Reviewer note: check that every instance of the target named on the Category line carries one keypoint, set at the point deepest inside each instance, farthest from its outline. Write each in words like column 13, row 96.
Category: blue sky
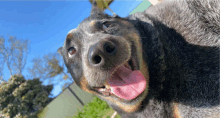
column 46, row 23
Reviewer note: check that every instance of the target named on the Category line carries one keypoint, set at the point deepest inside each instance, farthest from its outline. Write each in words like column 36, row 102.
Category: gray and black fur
column 180, row 44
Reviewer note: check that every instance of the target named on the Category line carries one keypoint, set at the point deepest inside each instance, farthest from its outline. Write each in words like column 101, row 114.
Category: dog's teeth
column 102, row 89
column 106, row 84
column 107, row 87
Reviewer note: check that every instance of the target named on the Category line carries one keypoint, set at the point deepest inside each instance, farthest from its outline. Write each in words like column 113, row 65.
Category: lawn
column 95, row 109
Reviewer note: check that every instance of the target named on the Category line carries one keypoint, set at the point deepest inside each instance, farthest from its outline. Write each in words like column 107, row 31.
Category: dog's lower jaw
column 135, row 104
column 126, row 107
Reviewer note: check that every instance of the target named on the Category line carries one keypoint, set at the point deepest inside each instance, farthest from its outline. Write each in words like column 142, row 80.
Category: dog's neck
column 152, row 108
column 175, row 66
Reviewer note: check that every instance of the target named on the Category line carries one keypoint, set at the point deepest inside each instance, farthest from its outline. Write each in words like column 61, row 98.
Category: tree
column 14, row 54
column 2, row 58
column 49, row 67
column 23, row 98
column 102, row 4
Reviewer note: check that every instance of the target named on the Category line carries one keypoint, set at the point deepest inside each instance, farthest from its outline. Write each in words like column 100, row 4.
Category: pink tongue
column 127, row 84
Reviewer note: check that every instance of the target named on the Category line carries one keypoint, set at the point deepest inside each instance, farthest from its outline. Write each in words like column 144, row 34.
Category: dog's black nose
column 101, row 51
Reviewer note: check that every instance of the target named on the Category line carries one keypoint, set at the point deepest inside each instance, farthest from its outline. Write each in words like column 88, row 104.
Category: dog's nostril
column 101, row 51
column 97, row 59
column 109, row 48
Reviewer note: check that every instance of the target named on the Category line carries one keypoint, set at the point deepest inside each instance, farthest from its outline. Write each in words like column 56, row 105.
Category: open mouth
column 130, row 64
column 126, row 82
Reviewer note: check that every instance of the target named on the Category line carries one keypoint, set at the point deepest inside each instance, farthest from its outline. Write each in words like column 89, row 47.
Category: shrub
column 23, row 98
column 94, row 109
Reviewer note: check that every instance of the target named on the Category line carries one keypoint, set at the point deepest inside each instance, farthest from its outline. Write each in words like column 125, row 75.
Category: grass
column 95, row 109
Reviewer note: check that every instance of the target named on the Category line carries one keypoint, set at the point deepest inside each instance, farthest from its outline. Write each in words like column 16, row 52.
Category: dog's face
column 104, row 57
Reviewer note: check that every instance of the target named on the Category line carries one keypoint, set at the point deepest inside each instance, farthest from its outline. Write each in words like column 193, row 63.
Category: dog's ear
column 95, row 9
column 59, row 50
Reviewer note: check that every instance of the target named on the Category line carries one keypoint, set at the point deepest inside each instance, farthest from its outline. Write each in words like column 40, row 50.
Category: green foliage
column 95, row 109
column 23, row 98
column 102, row 4
column 92, row 109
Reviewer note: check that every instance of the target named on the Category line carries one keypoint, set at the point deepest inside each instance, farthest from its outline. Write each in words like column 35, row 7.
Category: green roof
column 141, row 7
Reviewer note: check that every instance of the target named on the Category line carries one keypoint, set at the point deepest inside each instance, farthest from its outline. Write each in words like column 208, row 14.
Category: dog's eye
column 106, row 25
column 71, row 51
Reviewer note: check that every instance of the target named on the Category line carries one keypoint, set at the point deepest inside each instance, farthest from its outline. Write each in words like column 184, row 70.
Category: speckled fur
column 188, row 34
column 181, row 47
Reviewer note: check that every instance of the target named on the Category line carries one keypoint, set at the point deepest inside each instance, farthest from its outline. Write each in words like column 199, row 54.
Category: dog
column 160, row 63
